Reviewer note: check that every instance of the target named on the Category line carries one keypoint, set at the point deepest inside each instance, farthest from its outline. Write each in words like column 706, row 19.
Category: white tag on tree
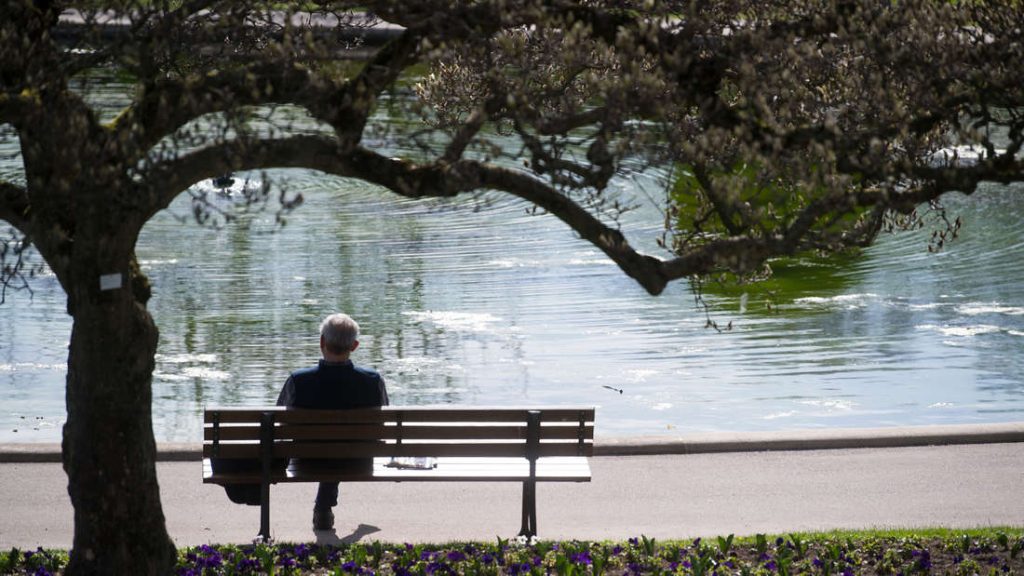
column 110, row 282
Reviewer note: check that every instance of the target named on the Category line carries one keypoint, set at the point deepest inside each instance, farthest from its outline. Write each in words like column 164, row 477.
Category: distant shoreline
column 358, row 40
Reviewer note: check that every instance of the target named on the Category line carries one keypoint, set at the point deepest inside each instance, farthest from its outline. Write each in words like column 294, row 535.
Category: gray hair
column 339, row 332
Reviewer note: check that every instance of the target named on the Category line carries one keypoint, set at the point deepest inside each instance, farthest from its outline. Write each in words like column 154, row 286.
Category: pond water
column 479, row 302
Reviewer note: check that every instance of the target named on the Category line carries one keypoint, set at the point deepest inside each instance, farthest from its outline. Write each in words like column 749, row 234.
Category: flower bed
column 988, row 552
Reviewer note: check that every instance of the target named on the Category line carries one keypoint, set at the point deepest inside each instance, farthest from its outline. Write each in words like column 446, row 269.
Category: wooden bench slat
column 406, row 432
column 425, row 432
column 565, row 469
column 368, row 450
column 250, row 451
column 481, row 449
column 407, row 414
column 231, row 433
column 568, row 468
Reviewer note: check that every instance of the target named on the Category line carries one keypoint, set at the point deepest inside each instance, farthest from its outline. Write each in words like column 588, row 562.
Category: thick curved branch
column 169, row 104
column 404, row 178
column 743, row 253
column 168, row 179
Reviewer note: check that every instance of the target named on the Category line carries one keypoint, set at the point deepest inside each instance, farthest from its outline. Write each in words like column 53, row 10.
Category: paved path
column 665, row 496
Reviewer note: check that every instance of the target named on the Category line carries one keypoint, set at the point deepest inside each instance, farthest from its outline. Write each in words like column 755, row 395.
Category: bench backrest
column 390, row 431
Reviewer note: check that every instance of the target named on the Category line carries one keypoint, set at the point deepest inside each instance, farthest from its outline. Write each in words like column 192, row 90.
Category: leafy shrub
column 825, row 554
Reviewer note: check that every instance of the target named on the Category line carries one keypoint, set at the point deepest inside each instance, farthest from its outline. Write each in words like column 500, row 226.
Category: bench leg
column 265, row 512
column 266, row 453
column 529, row 528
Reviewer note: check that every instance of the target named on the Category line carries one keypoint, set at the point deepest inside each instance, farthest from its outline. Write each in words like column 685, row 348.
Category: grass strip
column 985, row 551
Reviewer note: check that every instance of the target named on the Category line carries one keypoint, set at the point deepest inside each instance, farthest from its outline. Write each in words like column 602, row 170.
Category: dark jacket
column 334, row 386
column 328, row 386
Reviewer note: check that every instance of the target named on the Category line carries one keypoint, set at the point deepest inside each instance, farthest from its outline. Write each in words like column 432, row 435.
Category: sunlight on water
column 463, row 321
column 964, row 331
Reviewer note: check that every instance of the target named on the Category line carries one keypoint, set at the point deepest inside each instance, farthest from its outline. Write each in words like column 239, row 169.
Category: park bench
column 528, row 445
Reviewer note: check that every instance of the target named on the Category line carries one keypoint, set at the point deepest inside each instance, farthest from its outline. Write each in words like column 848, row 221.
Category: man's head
column 339, row 336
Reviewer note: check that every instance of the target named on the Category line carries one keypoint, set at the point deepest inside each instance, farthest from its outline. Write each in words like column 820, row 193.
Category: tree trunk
column 109, row 450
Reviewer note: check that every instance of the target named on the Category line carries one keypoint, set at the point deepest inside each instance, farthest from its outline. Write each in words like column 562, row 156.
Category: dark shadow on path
column 330, row 537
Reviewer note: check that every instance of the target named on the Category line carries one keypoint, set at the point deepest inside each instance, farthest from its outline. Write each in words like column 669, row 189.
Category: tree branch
column 359, row 96
column 169, row 104
column 594, row 174
column 404, row 178
column 14, row 208
column 743, row 253
column 566, row 124
column 725, row 209
column 464, row 135
column 168, row 179
column 646, row 270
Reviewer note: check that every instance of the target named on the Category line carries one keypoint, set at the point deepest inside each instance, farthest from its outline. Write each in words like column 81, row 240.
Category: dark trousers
column 327, row 495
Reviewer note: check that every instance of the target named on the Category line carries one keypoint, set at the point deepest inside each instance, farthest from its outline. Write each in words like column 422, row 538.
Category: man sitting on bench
column 334, row 383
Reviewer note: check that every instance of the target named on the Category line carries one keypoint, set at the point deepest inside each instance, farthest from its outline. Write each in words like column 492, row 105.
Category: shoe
column 323, row 519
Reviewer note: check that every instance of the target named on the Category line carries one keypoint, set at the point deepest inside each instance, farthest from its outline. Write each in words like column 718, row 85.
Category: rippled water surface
column 482, row 303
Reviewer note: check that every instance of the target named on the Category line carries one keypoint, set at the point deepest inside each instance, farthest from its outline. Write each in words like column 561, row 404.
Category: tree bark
column 109, row 450
column 84, row 216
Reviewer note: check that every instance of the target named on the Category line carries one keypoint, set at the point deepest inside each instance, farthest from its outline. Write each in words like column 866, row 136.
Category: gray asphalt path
column 664, row 496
